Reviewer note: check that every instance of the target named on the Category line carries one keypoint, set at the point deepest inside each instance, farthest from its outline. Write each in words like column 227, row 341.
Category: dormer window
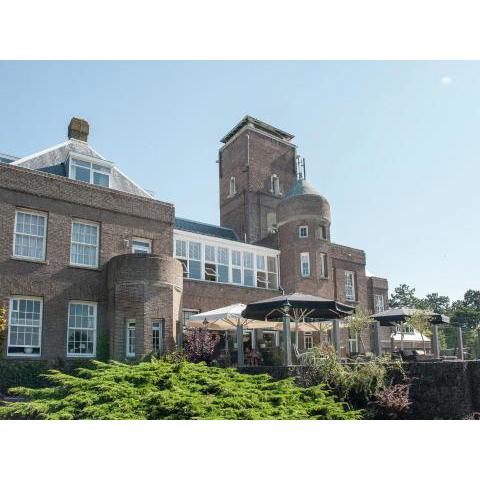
column 275, row 185
column 232, row 189
column 90, row 172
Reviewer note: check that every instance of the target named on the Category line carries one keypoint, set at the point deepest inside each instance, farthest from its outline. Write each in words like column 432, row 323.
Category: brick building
column 91, row 263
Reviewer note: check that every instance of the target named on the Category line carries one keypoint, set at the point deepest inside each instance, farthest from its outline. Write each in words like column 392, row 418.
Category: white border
column 85, row 222
column 83, row 355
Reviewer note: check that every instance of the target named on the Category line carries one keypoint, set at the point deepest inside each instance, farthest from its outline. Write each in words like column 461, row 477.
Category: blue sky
column 394, row 146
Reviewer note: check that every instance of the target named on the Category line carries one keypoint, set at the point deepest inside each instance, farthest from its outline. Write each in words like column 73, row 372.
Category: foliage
column 420, row 321
column 353, row 383
column 403, row 296
column 391, row 403
column 200, row 344
column 359, row 323
column 3, row 325
column 103, row 350
column 161, row 389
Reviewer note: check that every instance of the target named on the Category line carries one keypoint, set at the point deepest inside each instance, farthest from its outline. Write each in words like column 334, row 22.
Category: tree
column 403, row 296
column 435, row 302
column 420, row 321
column 359, row 323
column 3, row 324
column 472, row 299
column 200, row 344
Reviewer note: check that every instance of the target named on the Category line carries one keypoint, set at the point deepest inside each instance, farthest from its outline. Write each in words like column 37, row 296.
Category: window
column 82, row 329
column 236, row 267
column 303, row 231
column 194, row 259
column 305, row 264
column 275, row 185
column 187, row 313
column 307, row 340
column 349, row 285
column 352, row 342
column 89, row 172
column 223, row 262
column 261, row 272
column 271, row 339
column 141, row 245
column 158, row 333
column 322, row 260
column 272, row 273
column 30, row 235
column 248, row 269
column 323, row 232
column 379, row 303
column 130, row 338
column 84, row 247
column 407, row 329
column 210, row 264
column 24, row 326
column 232, row 190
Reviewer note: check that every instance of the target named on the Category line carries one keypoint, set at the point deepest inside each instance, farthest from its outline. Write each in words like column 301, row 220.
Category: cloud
column 446, row 80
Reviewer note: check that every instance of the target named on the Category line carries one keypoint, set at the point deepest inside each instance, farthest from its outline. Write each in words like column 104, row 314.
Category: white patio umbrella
column 228, row 318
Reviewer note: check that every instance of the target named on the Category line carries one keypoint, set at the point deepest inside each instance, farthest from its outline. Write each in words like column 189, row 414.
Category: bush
column 32, row 374
column 172, row 390
column 391, row 403
column 353, row 383
column 200, row 344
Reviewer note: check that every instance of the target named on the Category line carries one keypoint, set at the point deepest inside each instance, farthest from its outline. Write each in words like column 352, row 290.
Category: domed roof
column 302, row 187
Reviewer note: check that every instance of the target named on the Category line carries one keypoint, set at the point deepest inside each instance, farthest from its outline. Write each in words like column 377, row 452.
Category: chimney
column 78, row 129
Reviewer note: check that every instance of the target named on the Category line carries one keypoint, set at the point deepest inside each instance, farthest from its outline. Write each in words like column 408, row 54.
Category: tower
column 256, row 168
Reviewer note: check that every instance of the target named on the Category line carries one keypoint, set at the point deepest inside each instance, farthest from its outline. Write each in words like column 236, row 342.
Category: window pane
column 272, row 264
column 82, row 174
column 180, row 248
column 222, row 254
column 260, row 262
column 194, row 250
column 248, row 278
column 248, row 260
column 30, row 233
column 236, row 258
column 209, row 253
column 223, row 273
column 236, row 275
column 101, row 179
column 24, row 326
column 194, row 269
column 82, row 324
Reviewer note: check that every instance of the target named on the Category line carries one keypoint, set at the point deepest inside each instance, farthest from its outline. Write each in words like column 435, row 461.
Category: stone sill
column 30, row 260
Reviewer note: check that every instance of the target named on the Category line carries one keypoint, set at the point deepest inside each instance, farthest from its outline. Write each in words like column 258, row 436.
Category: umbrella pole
column 435, row 342
column 240, row 362
column 287, row 339
column 226, row 340
column 336, row 336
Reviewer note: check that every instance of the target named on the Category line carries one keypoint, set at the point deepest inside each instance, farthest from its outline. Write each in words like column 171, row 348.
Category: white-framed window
column 352, row 342
column 349, row 285
column 305, row 264
column 158, row 333
column 307, row 340
column 303, row 231
column 236, row 267
column 407, row 329
column 30, row 235
column 84, row 243
column 323, row 232
column 130, row 338
column 141, row 245
column 90, row 172
column 379, row 303
column 262, row 277
column 272, row 272
column 187, row 313
column 232, row 189
column 322, row 264
column 210, row 270
column 271, row 339
column 275, row 184
column 248, row 272
column 25, row 326
column 82, row 329
column 223, row 261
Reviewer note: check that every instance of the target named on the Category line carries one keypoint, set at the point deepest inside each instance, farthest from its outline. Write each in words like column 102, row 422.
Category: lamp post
column 287, row 339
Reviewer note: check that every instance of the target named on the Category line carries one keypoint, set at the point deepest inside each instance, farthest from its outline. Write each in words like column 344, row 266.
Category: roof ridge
column 41, row 152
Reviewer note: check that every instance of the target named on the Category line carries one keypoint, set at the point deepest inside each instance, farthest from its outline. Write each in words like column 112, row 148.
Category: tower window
column 323, row 232
column 303, row 231
column 275, row 185
column 349, row 285
column 323, row 265
column 233, row 188
column 305, row 264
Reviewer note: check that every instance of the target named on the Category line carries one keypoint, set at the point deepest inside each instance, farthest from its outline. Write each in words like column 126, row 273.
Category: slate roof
column 205, row 229
column 4, row 158
column 53, row 160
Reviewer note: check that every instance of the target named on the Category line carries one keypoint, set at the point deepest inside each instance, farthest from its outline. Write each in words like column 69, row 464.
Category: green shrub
column 355, row 383
column 161, row 389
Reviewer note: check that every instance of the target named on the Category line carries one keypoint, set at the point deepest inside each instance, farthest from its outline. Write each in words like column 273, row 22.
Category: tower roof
column 254, row 122
column 302, row 187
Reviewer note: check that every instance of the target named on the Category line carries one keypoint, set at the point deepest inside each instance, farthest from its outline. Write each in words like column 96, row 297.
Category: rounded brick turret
column 144, row 295
column 303, row 222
